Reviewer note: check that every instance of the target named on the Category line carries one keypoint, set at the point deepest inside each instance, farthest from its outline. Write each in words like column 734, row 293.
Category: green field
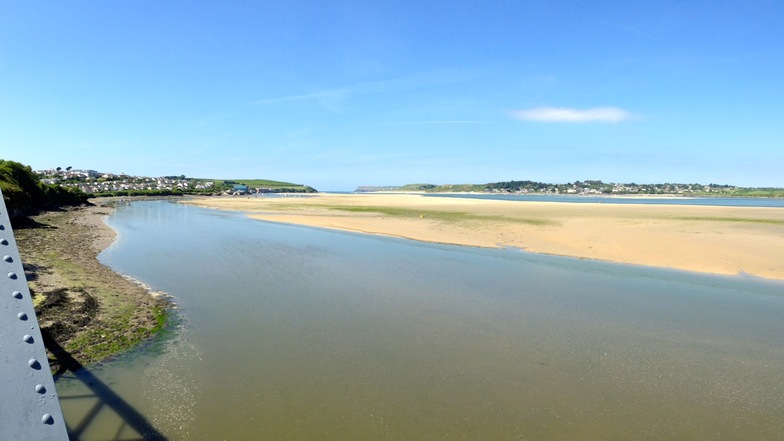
column 263, row 183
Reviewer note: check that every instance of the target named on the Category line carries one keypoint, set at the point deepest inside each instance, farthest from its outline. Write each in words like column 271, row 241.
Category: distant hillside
column 430, row 188
column 100, row 184
column 594, row 187
column 417, row 187
column 373, row 188
column 25, row 194
column 265, row 184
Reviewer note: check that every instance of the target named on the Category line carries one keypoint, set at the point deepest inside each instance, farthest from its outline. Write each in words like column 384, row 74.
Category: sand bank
column 720, row 240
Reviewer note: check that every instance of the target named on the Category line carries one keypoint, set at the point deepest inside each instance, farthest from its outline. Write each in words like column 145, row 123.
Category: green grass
column 416, row 187
column 748, row 193
column 262, row 183
column 449, row 188
column 266, row 183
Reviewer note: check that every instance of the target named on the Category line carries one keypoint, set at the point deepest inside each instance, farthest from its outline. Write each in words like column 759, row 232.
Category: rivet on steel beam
column 47, row 419
column 3, row 242
column 28, row 338
column 22, row 316
column 17, row 294
column 8, row 259
column 40, row 388
column 33, row 363
column 12, row 275
column 2, row 227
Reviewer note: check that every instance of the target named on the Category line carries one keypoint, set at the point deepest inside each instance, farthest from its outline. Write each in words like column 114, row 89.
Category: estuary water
column 297, row 333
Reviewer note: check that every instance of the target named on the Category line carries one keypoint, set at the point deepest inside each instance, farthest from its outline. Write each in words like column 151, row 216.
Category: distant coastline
column 585, row 188
column 736, row 201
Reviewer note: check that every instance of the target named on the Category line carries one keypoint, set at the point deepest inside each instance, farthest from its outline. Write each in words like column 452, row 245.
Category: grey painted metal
column 29, row 407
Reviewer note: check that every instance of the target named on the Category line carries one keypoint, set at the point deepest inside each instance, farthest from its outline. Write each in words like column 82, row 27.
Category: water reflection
column 90, row 415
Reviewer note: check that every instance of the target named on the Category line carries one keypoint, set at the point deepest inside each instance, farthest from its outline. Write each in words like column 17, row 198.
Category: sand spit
column 720, row 240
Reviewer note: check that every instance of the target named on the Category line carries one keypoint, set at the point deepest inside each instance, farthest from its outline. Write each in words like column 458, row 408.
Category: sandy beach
column 719, row 240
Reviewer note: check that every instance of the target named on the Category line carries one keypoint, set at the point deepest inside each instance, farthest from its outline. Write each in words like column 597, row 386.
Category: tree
column 24, row 193
column 21, row 188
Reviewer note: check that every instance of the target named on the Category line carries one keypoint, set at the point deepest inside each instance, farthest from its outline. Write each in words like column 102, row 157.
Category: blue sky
column 337, row 94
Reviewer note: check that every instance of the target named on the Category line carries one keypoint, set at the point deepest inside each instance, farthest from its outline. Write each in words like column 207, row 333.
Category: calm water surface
column 294, row 333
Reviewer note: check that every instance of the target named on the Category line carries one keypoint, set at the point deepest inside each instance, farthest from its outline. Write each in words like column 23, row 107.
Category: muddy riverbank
column 91, row 311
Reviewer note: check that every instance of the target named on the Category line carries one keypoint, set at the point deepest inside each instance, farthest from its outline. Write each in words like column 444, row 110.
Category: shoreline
column 707, row 239
column 90, row 310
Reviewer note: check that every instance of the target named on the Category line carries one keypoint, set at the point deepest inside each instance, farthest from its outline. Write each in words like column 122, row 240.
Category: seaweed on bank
column 88, row 309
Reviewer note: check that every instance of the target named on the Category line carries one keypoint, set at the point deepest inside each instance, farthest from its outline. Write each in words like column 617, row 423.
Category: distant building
column 87, row 173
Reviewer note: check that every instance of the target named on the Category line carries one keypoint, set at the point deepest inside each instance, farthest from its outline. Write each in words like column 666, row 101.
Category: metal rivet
column 17, row 294
column 47, row 419
column 8, row 259
column 40, row 388
column 28, row 338
column 2, row 227
column 3, row 242
column 22, row 316
column 12, row 275
column 33, row 363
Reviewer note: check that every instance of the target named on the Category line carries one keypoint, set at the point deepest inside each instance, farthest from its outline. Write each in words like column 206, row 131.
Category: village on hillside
column 96, row 183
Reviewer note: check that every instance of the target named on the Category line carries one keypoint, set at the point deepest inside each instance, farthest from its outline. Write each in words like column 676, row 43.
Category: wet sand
column 719, row 240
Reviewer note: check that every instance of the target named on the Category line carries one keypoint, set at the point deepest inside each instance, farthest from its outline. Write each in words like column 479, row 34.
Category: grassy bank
column 91, row 311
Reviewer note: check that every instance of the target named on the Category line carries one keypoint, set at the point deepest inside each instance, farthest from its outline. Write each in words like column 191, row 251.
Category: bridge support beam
column 29, row 407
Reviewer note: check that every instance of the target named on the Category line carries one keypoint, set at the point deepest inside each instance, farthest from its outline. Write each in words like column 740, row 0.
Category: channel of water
column 296, row 333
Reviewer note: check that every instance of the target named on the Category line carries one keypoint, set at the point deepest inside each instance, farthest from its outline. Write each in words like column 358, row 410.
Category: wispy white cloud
column 427, row 122
column 416, row 123
column 565, row 114
column 333, row 93
column 408, row 82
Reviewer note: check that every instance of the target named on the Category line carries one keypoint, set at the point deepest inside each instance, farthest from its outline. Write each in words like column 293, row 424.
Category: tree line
column 24, row 193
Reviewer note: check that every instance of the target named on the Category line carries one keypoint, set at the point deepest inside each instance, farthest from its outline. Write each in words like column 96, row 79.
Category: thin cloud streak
column 388, row 85
column 303, row 97
column 428, row 122
column 414, row 123
column 564, row 114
